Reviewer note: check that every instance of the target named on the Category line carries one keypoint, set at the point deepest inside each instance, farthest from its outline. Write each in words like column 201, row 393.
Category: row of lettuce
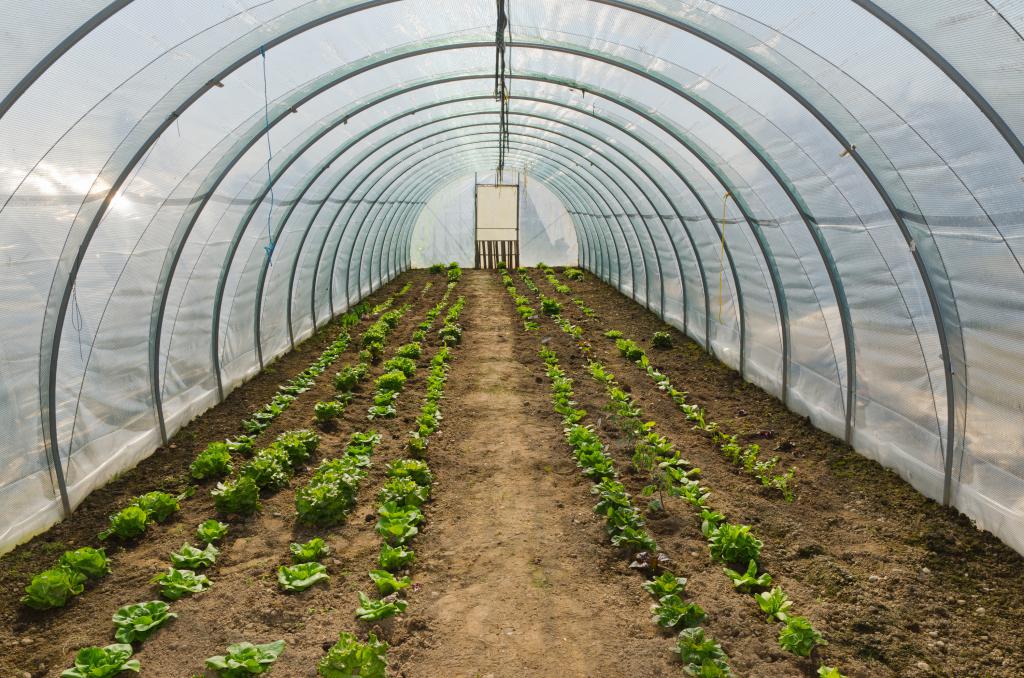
column 664, row 473
column 268, row 470
column 400, row 513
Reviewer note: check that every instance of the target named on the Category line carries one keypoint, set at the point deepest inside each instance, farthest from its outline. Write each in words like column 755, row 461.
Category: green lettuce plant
column 665, row 584
column 87, row 561
column 53, row 588
column 246, row 659
column 415, row 469
column 799, row 637
column 239, row 497
column 302, row 576
column 211, row 531
column 327, row 411
column 748, row 581
column 387, row 583
column 102, row 662
column 701, row 656
column 734, row 544
column 135, row 623
column 128, row 523
column 671, row 611
column 774, row 603
column 349, row 658
column 188, row 557
column 394, row 558
column 213, row 462
column 312, row 551
column 374, row 610
column 175, row 583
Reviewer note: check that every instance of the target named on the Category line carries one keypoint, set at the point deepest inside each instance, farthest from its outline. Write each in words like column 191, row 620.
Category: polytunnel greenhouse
column 512, row 337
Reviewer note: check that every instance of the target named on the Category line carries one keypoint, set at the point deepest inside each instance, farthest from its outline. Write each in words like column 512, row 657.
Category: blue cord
column 269, row 248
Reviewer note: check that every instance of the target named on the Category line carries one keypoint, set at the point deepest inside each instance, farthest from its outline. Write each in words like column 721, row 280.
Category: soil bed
column 514, row 572
column 900, row 585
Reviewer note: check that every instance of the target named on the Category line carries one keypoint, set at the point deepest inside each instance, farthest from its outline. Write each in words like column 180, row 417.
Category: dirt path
column 517, row 576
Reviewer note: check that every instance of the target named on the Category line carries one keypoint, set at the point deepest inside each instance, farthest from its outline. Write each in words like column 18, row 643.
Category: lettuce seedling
column 161, row 505
column 349, row 377
column 403, row 492
column 326, row 499
column 799, row 637
column 413, row 350
column 749, row 580
column 391, row 381
column 661, row 340
column 398, row 524
column 549, row 306
column 701, row 655
column 613, row 334
column 246, row 659
column 411, row 468
column 270, row 469
column 671, row 611
column 666, row 584
column 135, row 623
column 450, row 334
column 86, row 561
column 240, row 497
column 298, row 445
column 734, row 544
column 102, row 662
column 829, row 672
column 53, row 588
column 312, row 551
column 374, row 610
column 709, row 521
column 211, row 531
column 176, row 583
column 127, row 523
column 635, row 540
column 387, row 583
column 240, row 445
column 406, row 366
column 300, row 577
column 774, row 603
column 213, row 462
column 629, row 349
column 395, row 557
column 349, row 658
column 326, row 411
column 188, row 557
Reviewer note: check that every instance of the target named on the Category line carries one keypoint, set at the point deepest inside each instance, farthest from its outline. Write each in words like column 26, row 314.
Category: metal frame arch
column 650, row 148
column 413, row 193
column 333, row 221
column 426, row 186
column 613, row 185
column 950, row 393
column 599, row 196
column 306, row 97
column 635, row 109
column 633, row 163
column 609, row 187
column 337, row 246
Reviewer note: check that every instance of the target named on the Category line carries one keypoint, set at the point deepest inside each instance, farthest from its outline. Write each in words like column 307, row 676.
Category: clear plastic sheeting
column 190, row 188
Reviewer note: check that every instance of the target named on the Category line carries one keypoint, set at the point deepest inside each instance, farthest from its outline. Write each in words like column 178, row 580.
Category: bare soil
column 514, row 573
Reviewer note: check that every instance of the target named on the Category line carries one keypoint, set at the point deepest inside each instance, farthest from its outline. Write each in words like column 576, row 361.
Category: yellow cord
column 721, row 262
